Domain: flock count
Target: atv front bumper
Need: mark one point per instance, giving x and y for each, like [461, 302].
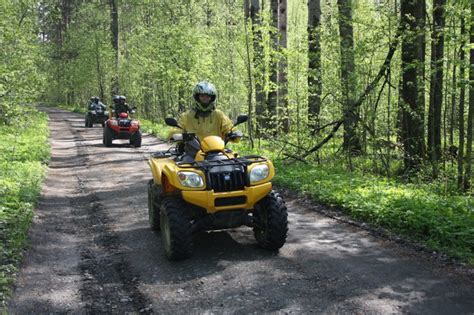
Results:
[221, 201]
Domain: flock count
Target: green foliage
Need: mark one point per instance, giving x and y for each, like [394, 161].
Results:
[24, 151]
[156, 129]
[20, 56]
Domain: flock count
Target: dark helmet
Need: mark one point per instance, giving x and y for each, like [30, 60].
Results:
[122, 99]
[95, 99]
[207, 88]
[116, 98]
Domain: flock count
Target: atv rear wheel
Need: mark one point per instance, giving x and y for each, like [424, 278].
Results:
[271, 219]
[154, 192]
[107, 138]
[175, 229]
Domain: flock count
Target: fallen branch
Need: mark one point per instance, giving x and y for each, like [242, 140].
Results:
[285, 142]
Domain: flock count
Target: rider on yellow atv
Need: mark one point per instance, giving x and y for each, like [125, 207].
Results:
[200, 185]
[204, 119]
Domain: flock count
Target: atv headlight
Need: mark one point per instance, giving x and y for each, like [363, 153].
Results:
[258, 173]
[190, 179]
[93, 112]
[114, 122]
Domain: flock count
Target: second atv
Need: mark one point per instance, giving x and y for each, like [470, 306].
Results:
[96, 115]
[122, 127]
[213, 191]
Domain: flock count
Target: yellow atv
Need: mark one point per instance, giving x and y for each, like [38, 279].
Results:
[199, 185]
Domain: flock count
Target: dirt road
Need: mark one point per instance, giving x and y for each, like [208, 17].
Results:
[92, 251]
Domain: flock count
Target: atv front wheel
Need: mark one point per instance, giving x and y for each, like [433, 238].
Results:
[271, 222]
[89, 122]
[154, 192]
[107, 138]
[136, 139]
[175, 229]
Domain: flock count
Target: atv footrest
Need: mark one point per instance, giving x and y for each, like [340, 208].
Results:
[223, 220]
[163, 155]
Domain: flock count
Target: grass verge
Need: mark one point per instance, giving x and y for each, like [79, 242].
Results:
[24, 151]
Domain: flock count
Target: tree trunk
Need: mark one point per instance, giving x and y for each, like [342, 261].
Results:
[115, 44]
[470, 113]
[248, 15]
[436, 85]
[99, 68]
[314, 67]
[283, 65]
[258, 62]
[272, 101]
[411, 109]
[453, 102]
[351, 140]
[462, 93]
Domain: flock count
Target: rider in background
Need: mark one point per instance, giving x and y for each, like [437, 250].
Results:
[95, 103]
[120, 105]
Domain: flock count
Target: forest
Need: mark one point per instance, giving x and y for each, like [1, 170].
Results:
[380, 86]
[365, 105]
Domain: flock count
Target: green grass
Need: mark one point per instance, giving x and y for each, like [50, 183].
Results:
[24, 150]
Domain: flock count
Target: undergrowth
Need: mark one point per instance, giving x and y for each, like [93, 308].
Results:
[24, 151]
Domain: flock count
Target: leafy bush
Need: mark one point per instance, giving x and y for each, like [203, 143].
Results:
[159, 130]
[24, 151]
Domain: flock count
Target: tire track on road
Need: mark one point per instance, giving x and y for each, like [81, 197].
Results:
[108, 280]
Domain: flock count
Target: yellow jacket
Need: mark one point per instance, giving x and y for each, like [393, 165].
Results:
[216, 124]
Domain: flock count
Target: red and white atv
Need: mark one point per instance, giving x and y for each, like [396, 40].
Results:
[122, 127]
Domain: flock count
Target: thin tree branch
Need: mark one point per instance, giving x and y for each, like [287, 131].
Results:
[326, 125]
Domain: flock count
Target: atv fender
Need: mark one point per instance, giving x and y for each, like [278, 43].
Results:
[165, 168]
[156, 168]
